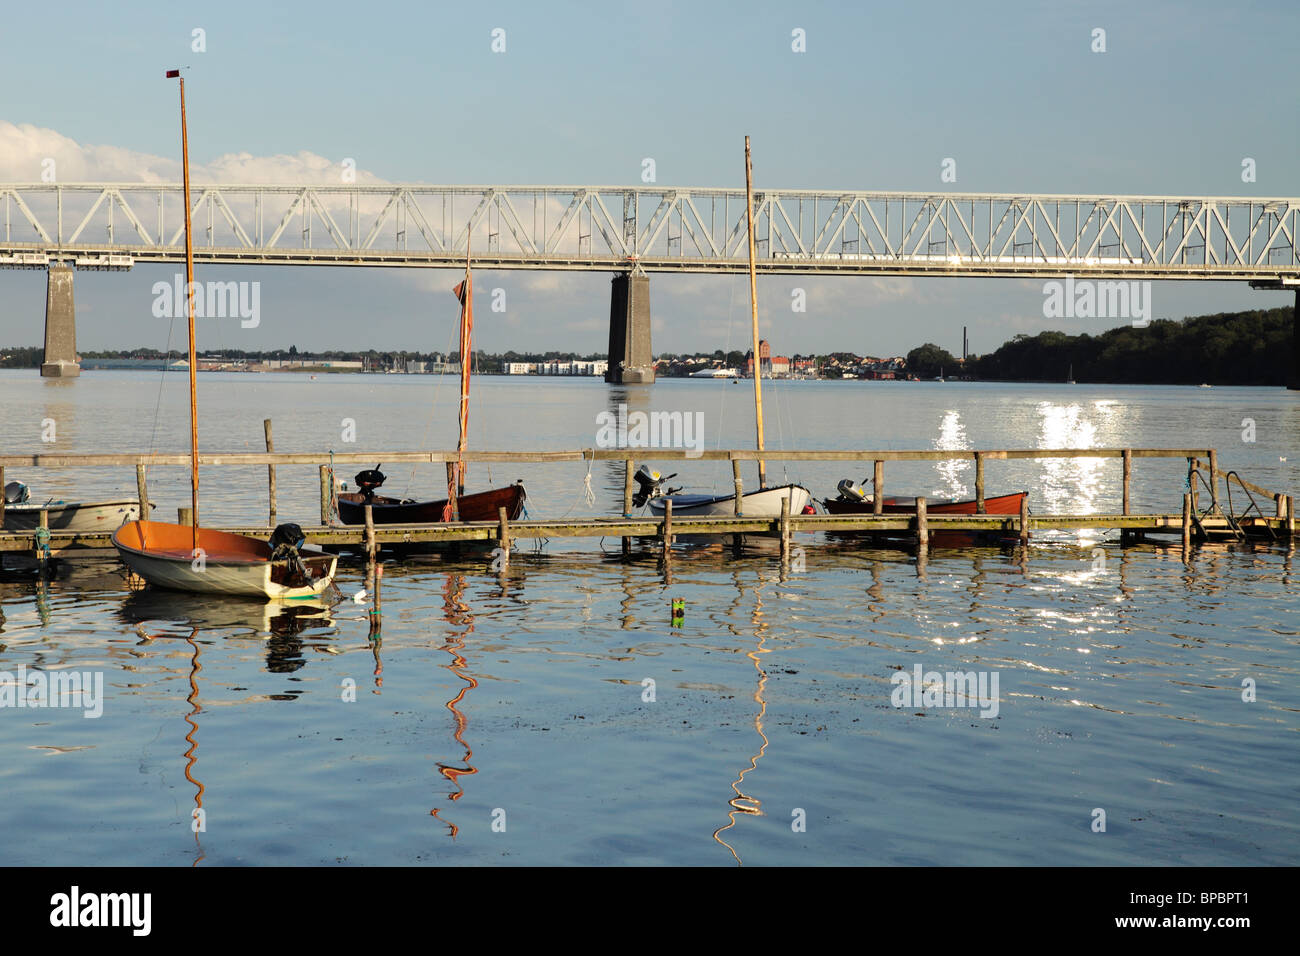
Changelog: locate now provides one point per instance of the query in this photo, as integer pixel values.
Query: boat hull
(77, 518)
(997, 505)
(161, 553)
(481, 506)
(755, 504)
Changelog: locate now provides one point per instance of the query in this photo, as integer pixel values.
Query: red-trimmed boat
(852, 500)
(476, 507)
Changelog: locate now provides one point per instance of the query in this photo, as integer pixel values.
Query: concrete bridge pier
(630, 359)
(60, 359)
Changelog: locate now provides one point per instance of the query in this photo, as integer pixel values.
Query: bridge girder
(660, 229)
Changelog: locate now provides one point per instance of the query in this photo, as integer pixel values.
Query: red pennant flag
(173, 73)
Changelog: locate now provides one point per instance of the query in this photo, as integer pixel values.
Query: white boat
(221, 563)
(765, 502)
(197, 559)
(88, 516)
(755, 504)
(715, 373)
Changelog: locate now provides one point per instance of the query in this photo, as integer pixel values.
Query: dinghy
(765, 502)
(22, 514)
(191, 558)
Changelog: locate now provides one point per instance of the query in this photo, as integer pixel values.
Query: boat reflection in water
(458, 615)
(280, 624)
(743, 803)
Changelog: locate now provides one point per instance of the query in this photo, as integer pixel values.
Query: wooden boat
(755, 504)
(847, 504)
(457, 506)
(765, 502)
(163, 554)
(66, 516)
(195, 559)
(481, 506)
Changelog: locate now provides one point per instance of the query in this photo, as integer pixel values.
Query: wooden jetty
(1203, 516)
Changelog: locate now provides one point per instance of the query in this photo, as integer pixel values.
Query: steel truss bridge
(655, 229)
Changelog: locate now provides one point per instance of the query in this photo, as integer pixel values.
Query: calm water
(507, 719)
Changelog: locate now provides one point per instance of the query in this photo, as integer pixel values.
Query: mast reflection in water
(741, 802)
(458, 615)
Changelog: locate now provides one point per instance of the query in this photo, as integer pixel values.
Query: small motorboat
(853, 499)
(481, 506)
(193, 558)
(201, 560)
(23, 514)
(764, 503)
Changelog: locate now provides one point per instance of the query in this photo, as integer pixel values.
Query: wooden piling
(270, 469)
(1128, 479)
(877, 487)
(1024, 522)
(627, 499)
(2, 496)
(185, 516)
(1187, 520)
(785, 530)
(667, 533)
(922, 528)
(372, 548)
(453, 482)
(503, 537)
(736, 539)
(141, 491)
(1214, 481)
(979, 484)
(325, 495)
(1290, 515)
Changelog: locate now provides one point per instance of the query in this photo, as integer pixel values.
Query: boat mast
(466, 330)
(753, 313)
(189, 300)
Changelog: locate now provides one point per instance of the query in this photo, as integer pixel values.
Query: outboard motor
(367, 481)
(287, 535)
(648, 483)
(286, 539)
(16, 493)
(851, 491)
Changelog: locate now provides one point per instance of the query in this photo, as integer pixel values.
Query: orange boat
(190, 558)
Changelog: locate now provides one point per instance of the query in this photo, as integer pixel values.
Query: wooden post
(142, 492)
(877, 488)
(627, 501)
(453, 496)
(372, 547)
(922, 528)
(1024, 521)
(1187, 521)
(1290, 515)
(737, 539)
(185, 516)
(325, 495)
(503, 537)
(668, 526)
(1214, 480)
(270, 469)
(980, 507)
(785, 530)
(2, 496)
(1128, 480)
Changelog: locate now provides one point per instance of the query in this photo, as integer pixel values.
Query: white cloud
(24, 148)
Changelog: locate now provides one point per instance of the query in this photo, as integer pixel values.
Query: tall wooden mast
(189, 301)
(753, 313)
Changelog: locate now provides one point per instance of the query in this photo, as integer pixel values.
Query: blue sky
(584, 92)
